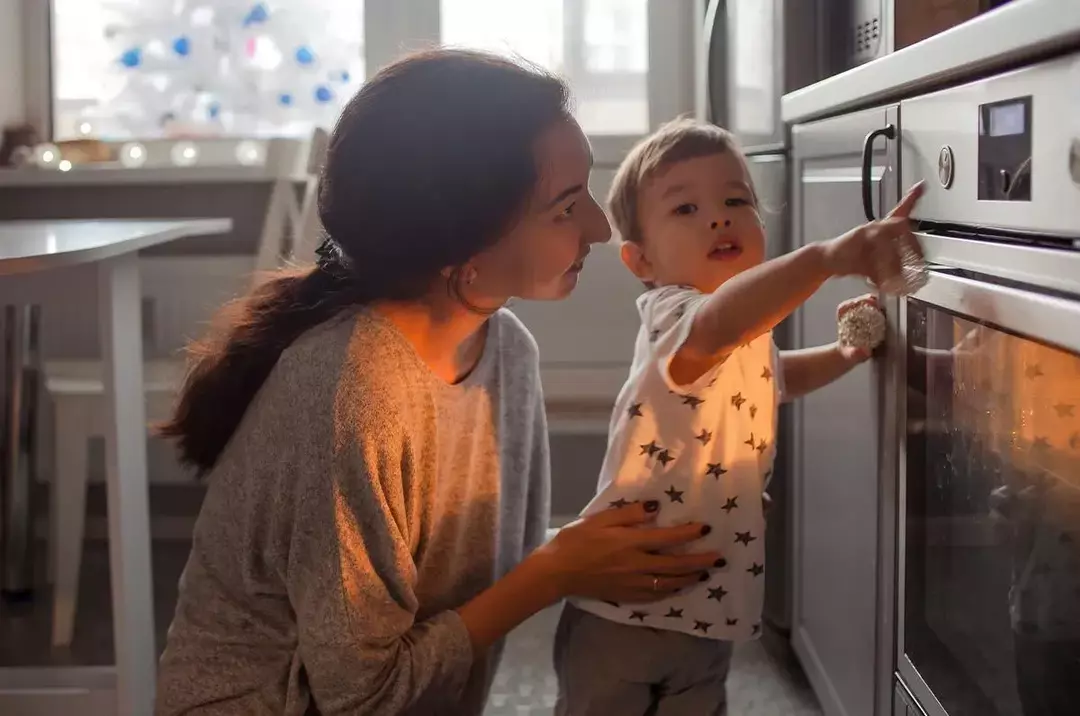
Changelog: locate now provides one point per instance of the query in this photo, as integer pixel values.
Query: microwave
(879, 27)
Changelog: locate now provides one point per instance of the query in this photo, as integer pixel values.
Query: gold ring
(656, 584)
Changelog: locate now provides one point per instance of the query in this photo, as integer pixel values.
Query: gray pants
(609, 669)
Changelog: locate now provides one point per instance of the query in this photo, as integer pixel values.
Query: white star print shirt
(705, 452)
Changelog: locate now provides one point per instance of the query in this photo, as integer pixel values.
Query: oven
(987, 385)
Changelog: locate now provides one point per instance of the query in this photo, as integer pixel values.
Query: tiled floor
(759, 684)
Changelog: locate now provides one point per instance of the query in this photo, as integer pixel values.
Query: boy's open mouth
(725, 250)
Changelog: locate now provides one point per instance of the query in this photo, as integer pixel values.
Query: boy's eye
(737, 201)
(685, 209)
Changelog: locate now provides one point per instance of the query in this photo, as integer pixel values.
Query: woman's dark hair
(429, 164)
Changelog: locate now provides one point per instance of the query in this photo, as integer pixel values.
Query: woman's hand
(612, 555)
(875, 250)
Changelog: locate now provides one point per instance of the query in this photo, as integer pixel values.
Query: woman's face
(540, 258)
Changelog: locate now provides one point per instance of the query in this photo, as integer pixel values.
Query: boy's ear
(636, 261)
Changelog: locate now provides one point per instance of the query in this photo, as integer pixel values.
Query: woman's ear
(634, 257)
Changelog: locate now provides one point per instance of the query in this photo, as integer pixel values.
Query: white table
(28, 250)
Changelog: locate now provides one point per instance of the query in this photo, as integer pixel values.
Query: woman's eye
(568, 211)
(685, 209)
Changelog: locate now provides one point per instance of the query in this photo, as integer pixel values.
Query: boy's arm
(756, 300)
(808, 369)
(753, 302)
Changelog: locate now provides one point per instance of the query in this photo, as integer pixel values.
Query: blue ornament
(285, 99)
(343, 76)
(214, 110)
(304, 55)
(131, 58)
(256, 15)
(182, 46)
(323, 94)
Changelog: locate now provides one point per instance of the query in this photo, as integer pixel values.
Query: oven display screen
(1007, 120)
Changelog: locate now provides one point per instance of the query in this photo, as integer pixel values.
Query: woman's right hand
(875, 250)
(612, 555)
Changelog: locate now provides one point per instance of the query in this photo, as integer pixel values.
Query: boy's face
(700, 224)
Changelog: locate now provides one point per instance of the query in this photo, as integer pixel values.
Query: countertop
(27, 246)
(1022, 29)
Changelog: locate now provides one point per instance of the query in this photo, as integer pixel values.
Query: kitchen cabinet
(841, 611)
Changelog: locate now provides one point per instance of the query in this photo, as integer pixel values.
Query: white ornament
(862, 327)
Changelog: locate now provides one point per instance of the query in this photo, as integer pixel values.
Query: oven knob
(1074, 161)
(945, 166)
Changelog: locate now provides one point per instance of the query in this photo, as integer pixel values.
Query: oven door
(988, 586)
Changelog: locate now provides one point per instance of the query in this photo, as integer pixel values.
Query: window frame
(672, 80)
(672, 77)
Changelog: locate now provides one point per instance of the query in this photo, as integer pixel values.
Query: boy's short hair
(677, 141)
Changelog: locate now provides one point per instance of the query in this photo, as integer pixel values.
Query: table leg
(120, 306)
(22, 365)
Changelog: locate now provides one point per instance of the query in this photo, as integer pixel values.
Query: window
(152, 68)
(149, 68)
(600, 46)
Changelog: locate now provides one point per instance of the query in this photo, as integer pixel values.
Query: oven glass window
(992, 542)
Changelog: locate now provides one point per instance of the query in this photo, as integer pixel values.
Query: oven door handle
(1047, 317)
(889, 132)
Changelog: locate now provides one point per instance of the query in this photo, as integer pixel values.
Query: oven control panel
(999, 153)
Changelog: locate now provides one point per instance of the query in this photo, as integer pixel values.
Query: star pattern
(744, 538)
(715, 469)
(1033, 371)
(692, 401)
(1064, 410)
(696, 613)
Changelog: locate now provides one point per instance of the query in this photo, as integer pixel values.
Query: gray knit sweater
(360, 502)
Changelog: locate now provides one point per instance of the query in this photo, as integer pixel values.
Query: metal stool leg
(22, 386)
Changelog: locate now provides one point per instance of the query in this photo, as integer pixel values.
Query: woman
(373, 429)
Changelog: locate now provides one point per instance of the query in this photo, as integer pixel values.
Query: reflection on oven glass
(992, 562)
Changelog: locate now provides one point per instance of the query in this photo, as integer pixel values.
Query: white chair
(181, 294)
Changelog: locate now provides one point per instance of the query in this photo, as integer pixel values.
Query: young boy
(694, 425)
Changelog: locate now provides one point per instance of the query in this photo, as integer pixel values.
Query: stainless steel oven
(987, 384)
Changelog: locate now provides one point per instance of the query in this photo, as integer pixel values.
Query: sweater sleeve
(350, 563)
(538, 512)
